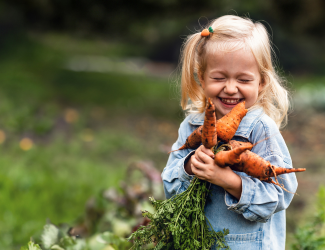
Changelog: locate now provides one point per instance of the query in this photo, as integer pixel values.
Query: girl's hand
(204, 167)
(205, 151)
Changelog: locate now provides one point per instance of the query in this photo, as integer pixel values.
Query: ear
(201, 79)
(261, 85)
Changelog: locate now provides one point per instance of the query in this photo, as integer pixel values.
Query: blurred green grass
(114, 120)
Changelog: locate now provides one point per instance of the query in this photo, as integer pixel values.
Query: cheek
(252, 96)
(212, 90)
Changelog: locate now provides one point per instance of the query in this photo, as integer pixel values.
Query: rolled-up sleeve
(260, 200)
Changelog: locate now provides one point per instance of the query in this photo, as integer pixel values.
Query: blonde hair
(231, 33)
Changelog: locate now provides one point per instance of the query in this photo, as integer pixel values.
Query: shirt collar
(245, 127)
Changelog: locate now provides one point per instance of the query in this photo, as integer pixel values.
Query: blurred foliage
(57, 239)
(312, 235)
(66, 136)
(32, 79)
(109, 217)
(31, 246)
(156, 26)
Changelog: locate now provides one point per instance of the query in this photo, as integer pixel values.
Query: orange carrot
(255, 166)
(228, 125)
(231, 157)
(193, 141)
(251, 163)
(209, 131)
(225, 127)
(236, 144)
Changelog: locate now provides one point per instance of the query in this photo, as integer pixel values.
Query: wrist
(187, 167)
(232, 183)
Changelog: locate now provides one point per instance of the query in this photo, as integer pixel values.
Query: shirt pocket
(251, 241)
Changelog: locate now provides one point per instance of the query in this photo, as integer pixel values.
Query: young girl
(233, 64)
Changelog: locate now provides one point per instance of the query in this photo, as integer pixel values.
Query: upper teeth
(230, 100)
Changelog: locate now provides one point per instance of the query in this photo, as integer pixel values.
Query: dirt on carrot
(231, 157)
(255, 166)
(226, 128)
(241, 159)
(193, 141)
(228, 125)
(209, 130)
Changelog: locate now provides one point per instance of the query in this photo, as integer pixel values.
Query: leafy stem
(186, 199)
(180, 223)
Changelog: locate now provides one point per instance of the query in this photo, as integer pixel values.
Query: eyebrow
(217, 71)
(245, 73)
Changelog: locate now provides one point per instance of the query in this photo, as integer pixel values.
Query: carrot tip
(173, 151)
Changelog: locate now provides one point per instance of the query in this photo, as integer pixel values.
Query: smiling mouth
(231, 101)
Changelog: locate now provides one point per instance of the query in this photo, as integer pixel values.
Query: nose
(230, 88)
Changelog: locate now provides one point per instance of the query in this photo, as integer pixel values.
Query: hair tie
(206, 32)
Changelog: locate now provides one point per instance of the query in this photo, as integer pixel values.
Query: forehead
(231, 57)
(217, 46)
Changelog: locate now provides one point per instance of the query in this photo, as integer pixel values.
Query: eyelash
(221, 79)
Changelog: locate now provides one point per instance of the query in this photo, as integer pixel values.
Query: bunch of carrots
(183, 214)
(235, 154)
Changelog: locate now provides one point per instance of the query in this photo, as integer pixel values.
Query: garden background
(87, 90)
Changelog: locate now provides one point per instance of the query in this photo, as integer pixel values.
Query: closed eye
(244, 80)
(219, 79)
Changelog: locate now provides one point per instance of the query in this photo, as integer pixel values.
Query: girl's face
(229, 78)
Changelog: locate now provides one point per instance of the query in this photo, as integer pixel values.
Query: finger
(196, 155)
(197, 164)
(208, 152)
(198, 173)
(196, 158)
(198, 152)
(205, 158)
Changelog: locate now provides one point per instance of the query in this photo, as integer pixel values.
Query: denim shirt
(258, 219)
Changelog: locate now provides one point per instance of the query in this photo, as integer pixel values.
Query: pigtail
(190, 88)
